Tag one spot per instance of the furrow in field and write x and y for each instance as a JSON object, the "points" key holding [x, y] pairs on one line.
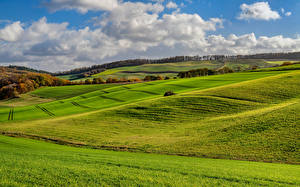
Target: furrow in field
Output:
{"points": [[45, 110], [79, 105], [110, 98]]}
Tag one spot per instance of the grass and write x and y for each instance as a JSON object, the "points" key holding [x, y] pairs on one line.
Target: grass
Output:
{"points": [[156, 69], [172, 69], [64, 92], [45, 164], [280, 62], [232, 116], [281, 68], [141, 71], [250, 116], [111, 95], [69, 77], [24, 100]]}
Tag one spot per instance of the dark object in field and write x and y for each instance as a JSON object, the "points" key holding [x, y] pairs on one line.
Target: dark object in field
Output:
{"points": [[169, 93]]}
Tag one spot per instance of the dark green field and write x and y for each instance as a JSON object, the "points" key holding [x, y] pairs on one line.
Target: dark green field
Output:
{"points": [[250, 116]]}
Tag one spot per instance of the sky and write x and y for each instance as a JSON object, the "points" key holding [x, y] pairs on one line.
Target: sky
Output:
{"points": [[58, 35]]}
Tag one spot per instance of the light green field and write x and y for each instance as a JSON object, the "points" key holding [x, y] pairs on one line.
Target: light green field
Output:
{"points": [[156, 69], [251, 116], [31, 163], [110, 95], [281, 68], [174, 68], [24, 100], [69, 77], [280, 62], [63, 92], [212, 116]]}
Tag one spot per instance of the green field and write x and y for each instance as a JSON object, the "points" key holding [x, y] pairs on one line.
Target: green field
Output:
{"points": [[281, 68], [172, 69], [279, 62], [110, 95], [63, 92], [250, 116], [29, 162]]}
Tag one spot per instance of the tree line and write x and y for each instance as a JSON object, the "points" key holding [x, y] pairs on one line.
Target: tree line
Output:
{"points": [[204, 72]]}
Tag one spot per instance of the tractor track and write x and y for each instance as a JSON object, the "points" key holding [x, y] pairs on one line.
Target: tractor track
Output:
{"points": [[79, 105], [11, 115], [45, 110]]}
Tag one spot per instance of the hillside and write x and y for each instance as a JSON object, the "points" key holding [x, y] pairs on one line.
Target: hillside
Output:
{"points": [[234, 116], [239, 61], [167, 69], [23, 68], [107, 97], [63, 165]]}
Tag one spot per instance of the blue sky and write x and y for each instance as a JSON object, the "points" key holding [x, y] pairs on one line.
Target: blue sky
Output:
{"points": [[186, 27], [31, 10]]}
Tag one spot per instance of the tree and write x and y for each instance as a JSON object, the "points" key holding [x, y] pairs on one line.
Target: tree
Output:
{"points": [[159, 77], [88, 81], [169, 93]]}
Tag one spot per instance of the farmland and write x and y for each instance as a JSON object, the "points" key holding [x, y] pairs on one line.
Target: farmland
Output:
{"points": [[171, 69], [246, 116], [112, 95], [61, 165]]}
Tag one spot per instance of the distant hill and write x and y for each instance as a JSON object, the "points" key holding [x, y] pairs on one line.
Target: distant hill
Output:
{"points": [[88, 71], [28, 69]]}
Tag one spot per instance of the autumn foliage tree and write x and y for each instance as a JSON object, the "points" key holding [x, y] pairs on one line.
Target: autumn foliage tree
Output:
{"points": [[14, 82]]}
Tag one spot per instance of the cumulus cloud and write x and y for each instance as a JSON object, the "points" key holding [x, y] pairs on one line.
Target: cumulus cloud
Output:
{"points": [[82, 6], [11, 32], [258, 11], [172, 5], [130, 30]]}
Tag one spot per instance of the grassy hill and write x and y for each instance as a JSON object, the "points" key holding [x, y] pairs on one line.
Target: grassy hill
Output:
{"points": [[250, 116], [171, 69], [45, 164], [64, 92], [245, 116], [115, 95]]}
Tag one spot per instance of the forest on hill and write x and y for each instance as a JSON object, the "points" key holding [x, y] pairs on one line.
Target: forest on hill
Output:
{"points": [[14, 82]]}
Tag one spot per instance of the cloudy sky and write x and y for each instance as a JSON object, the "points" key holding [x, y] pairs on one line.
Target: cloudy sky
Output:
{"points": [[58, 35]]}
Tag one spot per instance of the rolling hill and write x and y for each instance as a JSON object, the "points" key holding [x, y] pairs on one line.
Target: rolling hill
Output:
{"points": [[228, 116], [249, 116], [45, 164], [168, 69]]}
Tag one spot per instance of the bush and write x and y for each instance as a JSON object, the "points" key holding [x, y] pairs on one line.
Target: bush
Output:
{"points": [[286, 64], [169, 93]]}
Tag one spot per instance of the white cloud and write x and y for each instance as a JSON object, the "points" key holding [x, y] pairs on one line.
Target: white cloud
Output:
{"points": [[130, 30], [11, 32], [172, 5], [258, 11], [82, 6]]}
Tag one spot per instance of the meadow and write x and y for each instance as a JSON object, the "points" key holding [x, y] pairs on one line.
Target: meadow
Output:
{"points": [[129, 135], [45, 164], [84, 98], [171, 69], [224, 116]]}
